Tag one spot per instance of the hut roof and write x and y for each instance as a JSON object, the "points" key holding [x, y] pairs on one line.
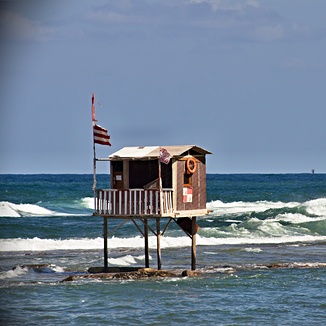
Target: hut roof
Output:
{"points": [[152, 152]]}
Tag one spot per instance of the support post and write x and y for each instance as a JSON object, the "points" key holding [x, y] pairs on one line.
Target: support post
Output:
{"points": [[146, 243], [160, 185], [158, 243], [105, 236], [193, 243]]}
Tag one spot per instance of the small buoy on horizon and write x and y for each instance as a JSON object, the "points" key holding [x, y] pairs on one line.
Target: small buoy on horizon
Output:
{"points": [[313, 171]]}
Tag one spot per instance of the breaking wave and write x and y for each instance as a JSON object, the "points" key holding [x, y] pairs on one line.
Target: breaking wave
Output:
{"points": [[205, 239], [19, 271], [18, 210], [77, 207], [316, 207]]}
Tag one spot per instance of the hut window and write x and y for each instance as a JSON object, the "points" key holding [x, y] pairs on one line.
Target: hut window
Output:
{"points": [[187, 179], [117, 166]]}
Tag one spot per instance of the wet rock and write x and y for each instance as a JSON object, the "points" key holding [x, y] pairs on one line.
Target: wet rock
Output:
{"points": [[33, 266], [188, 273], [68, 279], [145, 273], [139, 274]]}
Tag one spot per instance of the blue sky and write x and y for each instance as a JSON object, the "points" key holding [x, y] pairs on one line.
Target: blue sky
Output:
{"points": [[244, 79]]}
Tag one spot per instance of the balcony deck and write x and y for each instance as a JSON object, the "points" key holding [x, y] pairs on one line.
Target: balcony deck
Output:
{"points": [[128, 203], [133, 202]]}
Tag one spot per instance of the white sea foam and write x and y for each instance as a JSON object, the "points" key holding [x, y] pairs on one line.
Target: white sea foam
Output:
{"points": [[52, 268], [87, 202], [297, 218], [37, 244], [142, 257], [252, 249], [316, 207], [18, 271], [17, 210], [257, 240], [254, 228], [8, 209], [240, 207], [122, 261], [272, 228]]}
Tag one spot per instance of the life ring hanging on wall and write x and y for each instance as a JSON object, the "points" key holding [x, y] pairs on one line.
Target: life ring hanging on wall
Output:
{"points": [[191, 165]]}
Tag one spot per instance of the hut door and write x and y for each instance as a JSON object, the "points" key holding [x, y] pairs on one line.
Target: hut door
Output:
{"points": [[117, 180]]}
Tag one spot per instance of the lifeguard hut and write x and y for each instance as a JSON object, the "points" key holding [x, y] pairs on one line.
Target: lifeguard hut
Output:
{"points": [[151, 184], [155, 182]]}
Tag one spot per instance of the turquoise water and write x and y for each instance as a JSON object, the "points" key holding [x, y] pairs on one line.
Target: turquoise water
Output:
{"points": [[261, 254]]}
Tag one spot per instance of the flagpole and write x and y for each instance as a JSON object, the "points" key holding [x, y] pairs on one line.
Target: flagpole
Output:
{"points": [[94, 165], [94, 151], [100, 136]]}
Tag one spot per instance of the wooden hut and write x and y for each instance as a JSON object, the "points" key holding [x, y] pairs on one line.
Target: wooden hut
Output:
{"points": [[155, 182]]}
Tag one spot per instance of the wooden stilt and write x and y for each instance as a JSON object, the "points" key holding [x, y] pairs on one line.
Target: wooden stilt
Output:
{"points": [[105, 236], [146, 243], [193, 243], [158, 245]]}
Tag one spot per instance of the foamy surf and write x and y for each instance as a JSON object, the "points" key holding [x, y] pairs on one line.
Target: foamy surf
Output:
{"points": [[37, 244], [13, 273], [8, 209], [122, 261], [316, 207], [87, 202], [239, 207], [19, 271], [296, 218]]}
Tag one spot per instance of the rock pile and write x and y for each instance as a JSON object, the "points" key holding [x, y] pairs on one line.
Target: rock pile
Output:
{"points": [[134, 275]]}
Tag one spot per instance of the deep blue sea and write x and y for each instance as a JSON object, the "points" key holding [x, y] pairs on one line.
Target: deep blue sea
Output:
{"points": [[261, 251]]}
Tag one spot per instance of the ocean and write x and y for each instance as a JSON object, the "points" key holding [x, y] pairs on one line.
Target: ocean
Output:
{"points": [[261, 255]]}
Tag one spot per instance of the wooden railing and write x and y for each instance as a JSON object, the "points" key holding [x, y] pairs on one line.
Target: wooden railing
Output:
{"points": [[133, 202]]}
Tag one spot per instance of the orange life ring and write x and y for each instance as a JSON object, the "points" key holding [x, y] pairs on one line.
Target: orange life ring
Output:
{"points": [[191, 165]]}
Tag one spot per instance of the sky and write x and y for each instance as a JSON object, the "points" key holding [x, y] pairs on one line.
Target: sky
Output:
{"points": [[244, 79]]}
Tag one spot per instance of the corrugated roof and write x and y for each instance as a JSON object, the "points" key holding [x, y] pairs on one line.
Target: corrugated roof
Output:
{"points": [[154, 151]]}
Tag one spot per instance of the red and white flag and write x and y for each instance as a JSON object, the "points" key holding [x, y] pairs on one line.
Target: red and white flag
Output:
{"points": [[165, 156], [101, 135], [93, 108]]}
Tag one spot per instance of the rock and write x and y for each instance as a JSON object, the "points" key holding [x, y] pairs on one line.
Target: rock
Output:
{"points": [[145, 273], [34, 266], [139, 274], [189, 273], [68, 279]]}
